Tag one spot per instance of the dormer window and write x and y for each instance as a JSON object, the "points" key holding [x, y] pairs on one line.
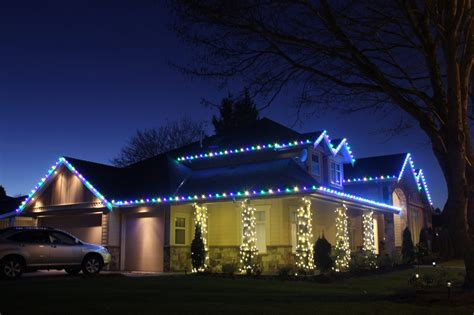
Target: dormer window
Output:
{"points": [[335, 173], [315, 165]]}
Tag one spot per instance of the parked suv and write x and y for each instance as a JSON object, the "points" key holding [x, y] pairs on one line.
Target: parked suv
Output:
{"points": [[32, 248]]}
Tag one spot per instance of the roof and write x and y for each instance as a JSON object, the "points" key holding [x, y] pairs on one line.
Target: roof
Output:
{"points": [[166, 179], [9, 204], [375, 166], [247, 177]]}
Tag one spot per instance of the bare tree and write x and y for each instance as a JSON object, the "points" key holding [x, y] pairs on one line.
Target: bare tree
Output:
{"points": [[148, 143], [414, 56]]}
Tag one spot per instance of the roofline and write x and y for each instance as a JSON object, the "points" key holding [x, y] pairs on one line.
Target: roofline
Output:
{"points": [[42, 183], [343, 145], [419, 177], [213, 197]]}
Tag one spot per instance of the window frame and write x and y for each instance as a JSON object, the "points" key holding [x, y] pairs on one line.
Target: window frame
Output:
{"points": [[334, 162], [318, 157], [180, 228]]}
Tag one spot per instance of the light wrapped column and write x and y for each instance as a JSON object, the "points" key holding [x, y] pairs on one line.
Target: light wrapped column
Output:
{"points": [[370, 251], [248, 247], [304, 234], [342, 248], [200, 219]]}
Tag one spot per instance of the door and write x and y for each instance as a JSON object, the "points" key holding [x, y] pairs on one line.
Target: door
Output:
{"points": [[86, 227], [144, 241], [64, 249], [35, 246]]}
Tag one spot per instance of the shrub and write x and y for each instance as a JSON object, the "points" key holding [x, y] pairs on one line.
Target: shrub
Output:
{"points": [[358, 263], [385, 262], [322, 255], [286, 271], [198, 253], [229, 268], [422, 249], [408, 251]]}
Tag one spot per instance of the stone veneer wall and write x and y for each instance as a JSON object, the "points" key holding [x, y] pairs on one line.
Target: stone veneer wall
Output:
{"points": [[275, 258], [179, 258], [114, 264]]}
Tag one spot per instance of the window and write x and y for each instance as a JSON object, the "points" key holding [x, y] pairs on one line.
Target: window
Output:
{"points": [[315, 165], [335, 173], [62, 238], [32, 237], [294, 230], [180, 231], [261, 231]]}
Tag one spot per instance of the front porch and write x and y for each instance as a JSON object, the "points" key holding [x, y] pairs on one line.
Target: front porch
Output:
{"points": [[281, 232]]}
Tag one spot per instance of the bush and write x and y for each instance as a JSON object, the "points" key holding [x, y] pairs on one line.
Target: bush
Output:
{"points": [[408, 251], [229, 269], [422, 249], [198, 252], [286, 271], [385, 262], [322, 255], [358, 263]]}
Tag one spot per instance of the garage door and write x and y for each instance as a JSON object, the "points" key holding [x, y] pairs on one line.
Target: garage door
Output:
{"points": [[86, 227], [144, 236]]}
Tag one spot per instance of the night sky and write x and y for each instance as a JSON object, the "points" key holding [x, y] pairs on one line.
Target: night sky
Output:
{"points": [[77, 78]]}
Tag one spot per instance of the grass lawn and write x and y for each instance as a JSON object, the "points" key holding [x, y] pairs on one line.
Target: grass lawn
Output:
{"points": [[106, 294]]}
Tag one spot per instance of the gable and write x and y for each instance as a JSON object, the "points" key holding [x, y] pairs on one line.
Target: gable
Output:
{"points": [[64, 188], [45, 181]]}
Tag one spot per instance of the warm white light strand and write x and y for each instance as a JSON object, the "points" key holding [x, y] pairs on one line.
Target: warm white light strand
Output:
{"points": [[304, 247], [342, 248], [369, 248], [248, 247], [200, 218]]}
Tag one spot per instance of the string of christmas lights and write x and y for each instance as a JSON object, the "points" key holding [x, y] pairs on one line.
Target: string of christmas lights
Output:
{"points": [[275, 146], [195, 198], [369, 179], [342, 248], [304, 247], [200, 219], [368, 247], [52, 171], [248, 247]]}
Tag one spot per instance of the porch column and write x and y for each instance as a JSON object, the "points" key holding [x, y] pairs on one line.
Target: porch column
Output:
{"points": [[342, 247], [11, 221], [369, 248], [248, 247], [200, 219], [389, 231], [304, 235]]}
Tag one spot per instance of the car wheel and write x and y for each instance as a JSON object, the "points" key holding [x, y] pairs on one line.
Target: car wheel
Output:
{"points": [[11, 267], [73, 271], [92, 264]]}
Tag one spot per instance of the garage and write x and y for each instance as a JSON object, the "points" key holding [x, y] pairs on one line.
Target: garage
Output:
{"points": [[86, 227], [143, 242]]}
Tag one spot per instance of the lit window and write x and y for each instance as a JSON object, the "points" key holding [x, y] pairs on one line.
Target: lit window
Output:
{"points": [[180, 231], [315, 166], [335, 173], [261, 231]]}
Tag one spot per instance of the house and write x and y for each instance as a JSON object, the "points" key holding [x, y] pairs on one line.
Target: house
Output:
{"points": [[263, 190]]}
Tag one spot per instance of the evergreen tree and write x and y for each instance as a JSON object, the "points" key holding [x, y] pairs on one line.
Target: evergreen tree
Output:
{"points": [[423, 247], [408, 251], [198, 254], [322, 255], [3, 192], [235, 113]]}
